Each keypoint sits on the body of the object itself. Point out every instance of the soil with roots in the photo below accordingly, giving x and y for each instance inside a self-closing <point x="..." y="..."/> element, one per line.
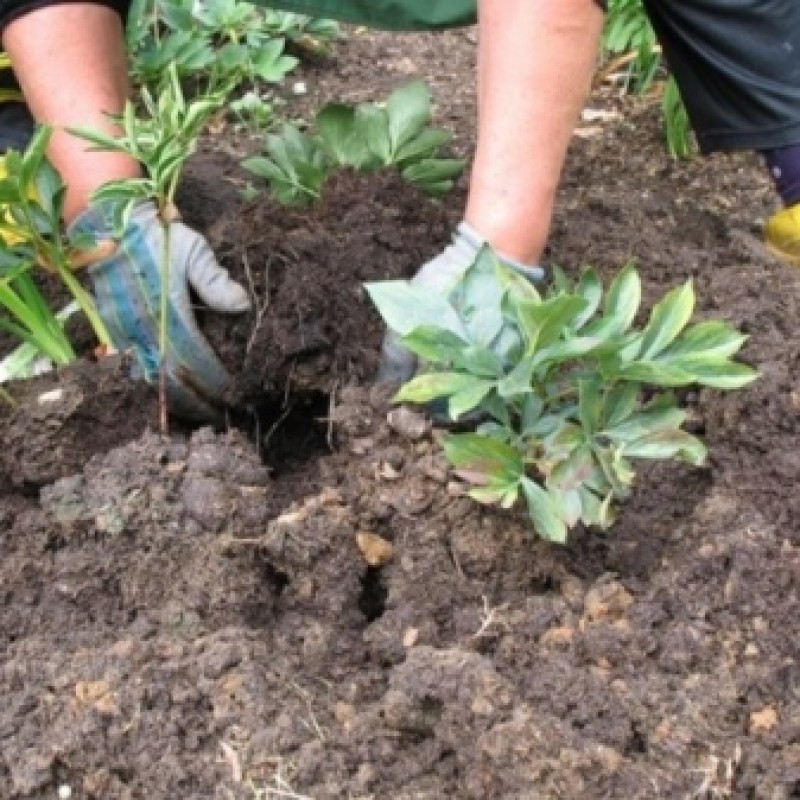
<point x="303" y="604"/>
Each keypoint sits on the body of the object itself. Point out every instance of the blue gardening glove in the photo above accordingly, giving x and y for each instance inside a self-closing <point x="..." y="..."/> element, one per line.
<point x="127" y="290"/>
<point x="440" y="274"/>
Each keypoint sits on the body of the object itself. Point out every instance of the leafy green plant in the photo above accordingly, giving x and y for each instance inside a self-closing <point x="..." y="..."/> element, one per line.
<point x="628" y="31"/>
<point x="629" y="38"/>
<point x="572" y="392"/>
<point x="162" y="142"/>
<point x="32" y="237"/>
<point x="218" y="41"/>
<point x="366" y="137"/>
<point x="253" y="111"/>
<point x="677" y="130"/>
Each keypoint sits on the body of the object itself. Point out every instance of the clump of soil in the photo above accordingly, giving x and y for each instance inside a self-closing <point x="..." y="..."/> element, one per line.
<point x="311" y="607"/>
<point x="313" y="325"/>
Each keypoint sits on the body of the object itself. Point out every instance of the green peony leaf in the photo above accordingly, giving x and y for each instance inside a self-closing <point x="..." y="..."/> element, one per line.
<point x="623" y="298"/>
<point x="405" y="306"/>
<point x="408" y="110"/>
<point x="667" y="319"/>
<point x="544" y="512"/>
<point x="668" y="444"/>
<point x="433" y="385"/>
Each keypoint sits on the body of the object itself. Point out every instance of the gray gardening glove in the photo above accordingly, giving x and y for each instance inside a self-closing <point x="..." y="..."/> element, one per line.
<point x="127" y="289"/>
<point x="440" y="274"/>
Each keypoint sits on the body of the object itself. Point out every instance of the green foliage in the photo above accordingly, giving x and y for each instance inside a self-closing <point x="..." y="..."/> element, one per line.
<point x="628" y="32"/>
<point x="366" y="137"/>
<point x="162" y="140"/>
<point x="677" y="129"/>
<point x="572" y="392"/>
<point x="31" y="236"/>
<point x="218" y="42"/>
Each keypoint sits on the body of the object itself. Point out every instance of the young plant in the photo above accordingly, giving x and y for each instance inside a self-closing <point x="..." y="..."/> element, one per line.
<point x="162" y="142"/>
<point x="218" y="41"/>
<point x="365" y="138"/>
<point x="32" y="236"/>
<point x="677" y="130"/>
<point x="570" y="390"/>
<point x="629" y="40"/>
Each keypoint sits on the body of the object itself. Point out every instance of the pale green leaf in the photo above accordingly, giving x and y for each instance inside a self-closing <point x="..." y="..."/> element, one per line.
<point x="623" y="298"/>
<point x="409" y="110"/>
<point x="667" y="319"/>
<point x="433" y="385"/>
<point x="544" y="512"/>
<point x="405" y="306"/>
<point x="668" y="444"/>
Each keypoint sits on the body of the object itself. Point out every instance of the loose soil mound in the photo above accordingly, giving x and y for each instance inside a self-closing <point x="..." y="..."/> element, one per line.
<point x="193" y="617"/>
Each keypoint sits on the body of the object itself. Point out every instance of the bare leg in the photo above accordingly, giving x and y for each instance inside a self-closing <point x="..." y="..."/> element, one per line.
<point x="70" y="62"/>
<point x="536" y="59"/>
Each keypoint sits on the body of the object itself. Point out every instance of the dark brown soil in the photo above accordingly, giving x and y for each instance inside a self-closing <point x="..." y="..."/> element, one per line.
<point x="194" y="618"/>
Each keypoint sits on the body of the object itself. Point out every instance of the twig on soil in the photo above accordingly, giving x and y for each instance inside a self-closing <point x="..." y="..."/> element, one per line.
<point x="277" y="424"/>
<point x="719" y="777"/>
<point x="488" y="617"/>
<point x="261" y="307"/>
<point x="231" y="758"/>
<point x="331" y="410"/>
<point x="280" y="789"/>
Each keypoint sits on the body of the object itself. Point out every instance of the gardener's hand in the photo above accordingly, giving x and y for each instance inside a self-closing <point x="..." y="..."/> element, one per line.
<point x="440" y="275"/>
<point x="127" y="288"/>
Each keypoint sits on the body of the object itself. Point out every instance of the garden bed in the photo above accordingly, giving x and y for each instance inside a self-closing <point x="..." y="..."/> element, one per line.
<point x="194" y="617"/>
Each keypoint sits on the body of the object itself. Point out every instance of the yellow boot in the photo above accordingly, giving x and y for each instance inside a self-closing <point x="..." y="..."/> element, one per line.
<point x="782" y="234"/>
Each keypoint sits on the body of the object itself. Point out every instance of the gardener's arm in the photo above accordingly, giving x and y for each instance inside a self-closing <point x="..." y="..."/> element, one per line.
<point x="71" y="66"/>
<point x="70" y="61"/>
<point x="535" y="65"/>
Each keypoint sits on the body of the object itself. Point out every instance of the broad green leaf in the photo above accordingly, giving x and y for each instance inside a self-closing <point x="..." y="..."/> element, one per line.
<point x="433" y="170"/>
<point x="544" y="512"/>
<point x="560" y="282"/>
<point x="408" y="110"/>
<point x="667" y="319"/>
<point x="435" y="345"/>
<point x="568" y="504"/>
<point x="480" y="455"/>
<point x="591" y="507"/>
<point x="574" y="471"/>
<point x="623" y="298"/>
<point x="644" y="423"/>
<point x="479" y="361"/>
<point x="719" y="373"/>
<point x="591" y="290"/>
<point x="544" y="321"/>
<point x="479" y="299"/>
<point x="495" y="494"/>
<point x="519" y="381"/>
<point x="617" y="474"/>
<point x="405" y="306"/>
<point x="433" y="385"/>
<point x="372" y="125"/>
<point x="567" y="350"/>
<point x="532" y="409"/>
<point x="423" y="146"/>
<point x="668" y="444"/>
<point x="590" y="403"/>
<point x="467" y="399"/>
<point x="712" y="338"/>
<point x="337" y="129"/>
<point x="655" y="373"/>
<point x="619" y="403"/>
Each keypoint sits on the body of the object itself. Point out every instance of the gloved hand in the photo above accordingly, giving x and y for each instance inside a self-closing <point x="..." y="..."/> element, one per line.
<point x="440" y="274"/>
<point x="127" y="290"/>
